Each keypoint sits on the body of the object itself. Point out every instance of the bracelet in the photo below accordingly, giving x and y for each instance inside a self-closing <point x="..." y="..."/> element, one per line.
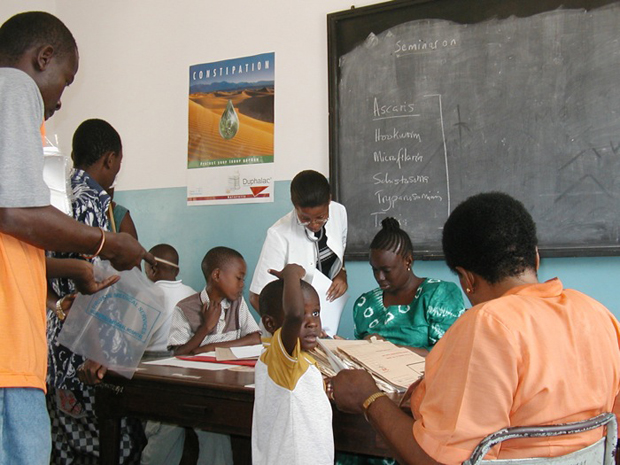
<point x="100" y="248"/>
<point x="368" y="402"/>
<point x="60" y="313"/>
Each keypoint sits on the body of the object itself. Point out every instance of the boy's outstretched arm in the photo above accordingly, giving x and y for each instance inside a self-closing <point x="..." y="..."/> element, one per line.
<point x="292" y="304"/>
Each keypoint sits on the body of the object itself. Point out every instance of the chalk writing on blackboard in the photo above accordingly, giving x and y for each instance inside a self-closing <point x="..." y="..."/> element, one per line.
<point x="432" y="111"/>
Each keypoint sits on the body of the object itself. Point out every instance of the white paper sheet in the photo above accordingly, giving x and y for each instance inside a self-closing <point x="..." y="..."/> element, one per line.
<point x="330" y="311"/>
<point x="244" y="352"/>
<point x="175" y="362"/>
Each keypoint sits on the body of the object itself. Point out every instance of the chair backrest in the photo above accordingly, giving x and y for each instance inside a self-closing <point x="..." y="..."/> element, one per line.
<point x="602" y="452"/>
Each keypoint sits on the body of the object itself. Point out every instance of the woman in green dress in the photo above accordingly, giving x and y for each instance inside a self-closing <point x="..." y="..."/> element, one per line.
<point x="405" y="309"/>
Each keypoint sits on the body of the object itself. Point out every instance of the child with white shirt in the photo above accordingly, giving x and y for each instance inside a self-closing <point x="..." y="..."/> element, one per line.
<point x="217" y="316"/>
<point x="164" y="275"/>
<point x="165" y="442"/>
<point x="292" y="419"/>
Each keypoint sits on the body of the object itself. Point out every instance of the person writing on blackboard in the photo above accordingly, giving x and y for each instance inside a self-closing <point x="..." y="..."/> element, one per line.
<point x="526" y="353"/>
<point x="405" y="309"/>
<point x="313" y="235"/>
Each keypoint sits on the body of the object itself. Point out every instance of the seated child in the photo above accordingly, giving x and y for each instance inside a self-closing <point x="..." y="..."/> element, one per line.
<point x="164" y="275"/>
<point x="218" y="315"/>
<point x="215" y="317"/>
<point x="164" y="441"/>
<point x="292" y="420"/>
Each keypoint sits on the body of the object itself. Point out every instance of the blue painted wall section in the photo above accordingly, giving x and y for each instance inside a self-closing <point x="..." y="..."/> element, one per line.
<point x="162" y="215"/>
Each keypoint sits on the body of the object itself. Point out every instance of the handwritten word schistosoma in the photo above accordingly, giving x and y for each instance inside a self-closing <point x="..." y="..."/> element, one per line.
<point x="384" y="178"/>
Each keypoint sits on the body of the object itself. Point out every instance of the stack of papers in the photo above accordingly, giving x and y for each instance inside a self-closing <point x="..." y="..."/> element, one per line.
<point x="395" y="365"/>
<point x="393" y="368"/>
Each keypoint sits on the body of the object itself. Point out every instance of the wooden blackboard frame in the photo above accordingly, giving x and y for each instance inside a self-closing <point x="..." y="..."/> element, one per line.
<point x="347" y="29"/>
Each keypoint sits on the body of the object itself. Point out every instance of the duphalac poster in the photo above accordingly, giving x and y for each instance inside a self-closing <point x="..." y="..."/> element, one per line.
<point x="231" y="130"/>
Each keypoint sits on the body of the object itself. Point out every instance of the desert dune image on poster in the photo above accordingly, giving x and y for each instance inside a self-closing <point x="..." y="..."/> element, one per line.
<point x="231" y="112"/>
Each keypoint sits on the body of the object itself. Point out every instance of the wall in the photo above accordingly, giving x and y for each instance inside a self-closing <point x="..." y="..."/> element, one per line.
<point x="135" y="59"/>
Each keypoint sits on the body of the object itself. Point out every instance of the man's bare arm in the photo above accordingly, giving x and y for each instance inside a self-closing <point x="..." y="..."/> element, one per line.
<point x="48" y="228"/>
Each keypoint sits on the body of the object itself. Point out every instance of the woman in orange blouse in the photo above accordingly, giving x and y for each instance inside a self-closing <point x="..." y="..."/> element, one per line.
<point x="526" y="353"/>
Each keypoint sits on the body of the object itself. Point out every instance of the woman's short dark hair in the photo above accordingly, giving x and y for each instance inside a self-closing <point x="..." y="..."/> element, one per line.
<point x="310" y="189"/>
<point x="492" y="235"/>
<point x="392" y="239"/>
<point x="92" y="140"/>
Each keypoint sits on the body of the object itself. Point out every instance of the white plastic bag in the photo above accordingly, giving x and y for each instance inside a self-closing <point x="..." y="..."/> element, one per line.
<point x="113" y="327"/>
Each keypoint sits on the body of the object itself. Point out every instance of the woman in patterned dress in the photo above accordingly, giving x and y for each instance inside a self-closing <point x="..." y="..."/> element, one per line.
<point x="405" y="309"/>
<point x="97" y="155"/>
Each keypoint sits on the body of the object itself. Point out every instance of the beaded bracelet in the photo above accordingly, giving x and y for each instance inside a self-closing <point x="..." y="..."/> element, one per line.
<point x="100" y="248"/>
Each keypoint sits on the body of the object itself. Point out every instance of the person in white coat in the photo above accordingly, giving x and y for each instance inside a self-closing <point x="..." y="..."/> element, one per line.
<point x="313" y="235"/>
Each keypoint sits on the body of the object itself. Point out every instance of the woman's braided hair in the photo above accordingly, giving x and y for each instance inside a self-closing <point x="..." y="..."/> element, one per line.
<point x="393" y="239"/>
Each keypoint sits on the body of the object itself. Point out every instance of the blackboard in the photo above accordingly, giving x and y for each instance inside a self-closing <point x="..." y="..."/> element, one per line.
<point x="433" y="101"/>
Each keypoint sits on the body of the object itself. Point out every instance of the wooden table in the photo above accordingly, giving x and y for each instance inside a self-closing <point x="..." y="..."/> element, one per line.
<point x="211" y="400"/>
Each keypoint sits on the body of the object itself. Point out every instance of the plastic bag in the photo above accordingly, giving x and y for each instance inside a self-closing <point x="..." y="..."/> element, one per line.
<point x="113" y="327"/>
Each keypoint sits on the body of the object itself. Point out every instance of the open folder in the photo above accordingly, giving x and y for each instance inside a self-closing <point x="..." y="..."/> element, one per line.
<point x="394" y="368"/>
<point x="396" y="365"/>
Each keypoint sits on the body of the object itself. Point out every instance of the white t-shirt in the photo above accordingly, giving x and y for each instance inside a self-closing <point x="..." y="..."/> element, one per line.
<point x="174" y="292"/>
<point x="292" y="418"/>
<point x="287" y="242"/>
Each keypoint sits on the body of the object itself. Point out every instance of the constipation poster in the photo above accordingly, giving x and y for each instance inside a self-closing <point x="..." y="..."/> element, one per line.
<point x="230" y="149"/>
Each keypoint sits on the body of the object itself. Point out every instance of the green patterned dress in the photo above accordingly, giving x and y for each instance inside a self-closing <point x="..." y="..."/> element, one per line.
<point x="435" y="306"/>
